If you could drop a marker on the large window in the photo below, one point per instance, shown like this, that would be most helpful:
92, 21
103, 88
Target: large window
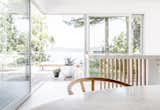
14, 59
115, 34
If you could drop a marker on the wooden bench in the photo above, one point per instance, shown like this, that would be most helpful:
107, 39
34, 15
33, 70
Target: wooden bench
42, 66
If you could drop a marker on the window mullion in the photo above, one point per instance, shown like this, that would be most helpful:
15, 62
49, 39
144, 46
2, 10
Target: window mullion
129, 35
106, 35
141, 37
86, 45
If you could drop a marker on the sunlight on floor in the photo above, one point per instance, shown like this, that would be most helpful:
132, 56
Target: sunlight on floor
49, 91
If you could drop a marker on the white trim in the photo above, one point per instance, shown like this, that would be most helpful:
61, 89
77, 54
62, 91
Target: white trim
142, 36
125, 56
91, 14
97, 14
130, 36
29, 45
35, 4
109, 14
85, 45
106, 45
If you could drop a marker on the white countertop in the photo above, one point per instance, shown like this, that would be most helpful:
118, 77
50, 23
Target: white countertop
129, 98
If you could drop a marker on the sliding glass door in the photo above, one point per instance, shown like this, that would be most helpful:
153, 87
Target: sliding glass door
14, 53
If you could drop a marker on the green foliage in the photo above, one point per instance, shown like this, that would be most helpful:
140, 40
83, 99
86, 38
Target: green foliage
94, 67
76, 22
136, 26
119, 44
40, 38
12, 40
57, 70
94, 63
69, 61
20, 60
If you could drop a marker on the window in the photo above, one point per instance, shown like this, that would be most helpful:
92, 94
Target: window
137, 33
97, 34
111, 34
14, 53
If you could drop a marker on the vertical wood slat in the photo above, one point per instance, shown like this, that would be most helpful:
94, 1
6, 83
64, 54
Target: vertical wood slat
128, 71
101, 66
117, 71
125, 70
121, 69
137, 72
105, 73
82, 86
140, 71
112, 72
145, 78
109, 72
133, 71
92, 85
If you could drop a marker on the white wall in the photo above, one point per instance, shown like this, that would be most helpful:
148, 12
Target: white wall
154, 71
151, 9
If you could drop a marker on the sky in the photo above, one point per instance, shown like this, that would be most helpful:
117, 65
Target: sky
70, 37
65, 35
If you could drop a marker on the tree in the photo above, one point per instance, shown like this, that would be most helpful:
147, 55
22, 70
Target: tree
119, 44
40, 38
11, 40
8, 33
136, 27
14, 41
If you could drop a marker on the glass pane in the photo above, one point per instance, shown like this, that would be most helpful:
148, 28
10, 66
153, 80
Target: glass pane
118, 41
137, 30
57, 43
14, 34
97, 34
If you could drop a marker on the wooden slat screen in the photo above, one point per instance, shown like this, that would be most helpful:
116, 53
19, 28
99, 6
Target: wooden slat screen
131, 71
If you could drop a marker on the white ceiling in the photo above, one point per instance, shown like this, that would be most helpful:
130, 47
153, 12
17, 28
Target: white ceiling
81, 6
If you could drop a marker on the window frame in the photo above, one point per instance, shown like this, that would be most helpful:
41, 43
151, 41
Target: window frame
128, 33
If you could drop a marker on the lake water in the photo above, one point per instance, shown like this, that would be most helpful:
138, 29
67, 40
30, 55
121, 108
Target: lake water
57, 55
